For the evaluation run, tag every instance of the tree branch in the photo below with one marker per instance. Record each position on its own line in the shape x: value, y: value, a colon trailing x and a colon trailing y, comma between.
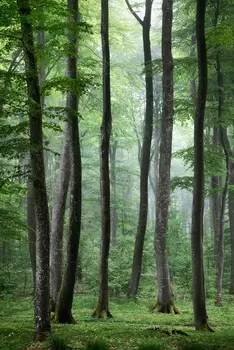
x: 134, y: 13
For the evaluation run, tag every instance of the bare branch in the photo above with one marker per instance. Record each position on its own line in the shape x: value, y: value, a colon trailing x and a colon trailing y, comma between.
x: 134, y: 13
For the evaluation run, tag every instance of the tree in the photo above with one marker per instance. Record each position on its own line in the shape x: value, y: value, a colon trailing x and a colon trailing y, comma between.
x: 63, y: 312
x: 146, y: 148
x: 165, y: 302
x: 42, y: 321
x: 102, y: 308
x: 198, y: 279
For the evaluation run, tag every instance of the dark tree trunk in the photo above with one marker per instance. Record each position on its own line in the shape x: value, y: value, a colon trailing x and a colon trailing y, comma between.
x: 63, y: 312
x: 198, y: 279
x: 102, y: 309
x: 165, y: 302
x: 113, y: 150
x: 231, y: 219
x: 42, y: 321
x: 31, y: 220
x: 145, y: 152
x: 226, y: 147
x: 59, y: 207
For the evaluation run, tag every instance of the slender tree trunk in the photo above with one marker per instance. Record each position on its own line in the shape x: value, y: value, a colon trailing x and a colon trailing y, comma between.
x: 227, y: 151
x: 231, y: 219
x: 145, y: 153
x: 198, y: 279
x: 113, y: 150
x: 42, y: 321
x: 102, y: 309
x: 31, y: 220
x: 165, y: 302
x: 63, y: 312
x: 59, y: 207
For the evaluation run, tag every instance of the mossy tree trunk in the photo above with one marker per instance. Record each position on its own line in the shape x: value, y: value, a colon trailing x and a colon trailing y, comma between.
x: 42, y: 320
x: 102, y: 309
x: 165, y: 302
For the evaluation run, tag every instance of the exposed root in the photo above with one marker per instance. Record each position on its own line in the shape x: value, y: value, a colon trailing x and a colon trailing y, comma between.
x: 168, y: 308
x: 205, y: 328
x: 64, y: 317
x: 168, y: 332
x: 101, y: 314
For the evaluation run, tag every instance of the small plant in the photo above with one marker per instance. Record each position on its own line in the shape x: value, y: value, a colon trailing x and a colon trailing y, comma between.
x: 57, y: 343
x: 97, y: 345
x: 151, y: 346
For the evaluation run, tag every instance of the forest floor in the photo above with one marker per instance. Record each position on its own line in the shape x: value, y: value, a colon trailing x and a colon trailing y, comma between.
x: 133, y: 327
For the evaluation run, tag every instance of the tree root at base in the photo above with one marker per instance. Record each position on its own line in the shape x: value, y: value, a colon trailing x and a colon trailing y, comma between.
x: 101, y: 314
x: 168, y: 308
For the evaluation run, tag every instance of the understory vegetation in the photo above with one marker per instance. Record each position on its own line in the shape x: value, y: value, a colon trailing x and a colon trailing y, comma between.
x: 133, y: 327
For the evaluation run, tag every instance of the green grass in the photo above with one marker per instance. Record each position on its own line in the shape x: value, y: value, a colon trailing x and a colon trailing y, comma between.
x: 133, y: 327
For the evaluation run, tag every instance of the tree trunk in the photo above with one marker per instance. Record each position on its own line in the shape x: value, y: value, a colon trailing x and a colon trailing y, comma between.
x: 102, y: 309
x: 42, y: 321
x: 198, y: 279
x: 145, y: 152
x: 113, y: 150
x: 59, y: 207
x: 63, y: 312
x: 231, y: 219
x: 165, y: 302
x: 227, y: 151
x: 31, y: 221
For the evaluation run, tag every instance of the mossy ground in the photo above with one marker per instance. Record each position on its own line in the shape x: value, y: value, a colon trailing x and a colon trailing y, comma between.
x: 133, y: 326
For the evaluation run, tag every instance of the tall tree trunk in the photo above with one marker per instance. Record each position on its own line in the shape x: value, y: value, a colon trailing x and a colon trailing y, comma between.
x: 198, y: 279
x: 31, y: 221
x: 113, y: 150
x: 63, y: 312
x: 165, y: 302
x: 226, y: 147
x: 231, y: 219
x: 102, y: 309
x: 59, y: 207
x: 42, y: 320
x: 145, y: 152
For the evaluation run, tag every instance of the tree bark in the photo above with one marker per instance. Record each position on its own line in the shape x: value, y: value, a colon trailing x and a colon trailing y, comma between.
x: 31, y: 221
x: 165, y: 301
x: 226, y: 147
x: 102, y: 309
x: 198, y: 279
x: 63, y: 312
x: 59, y: 207
x: 113, y: 150
x: 145, y: 152
x: 42, y: 321
x: 231, y: 219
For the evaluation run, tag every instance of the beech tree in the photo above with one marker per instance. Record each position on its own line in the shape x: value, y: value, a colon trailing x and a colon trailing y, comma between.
x: 42, y: 320
x: 63, y: 313
x: 145, y: 151
x: 165, y: 302
x: 102, y: 309
x: 198, y: 279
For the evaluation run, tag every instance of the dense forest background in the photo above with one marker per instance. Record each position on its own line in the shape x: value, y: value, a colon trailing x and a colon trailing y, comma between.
x: 60, y: 35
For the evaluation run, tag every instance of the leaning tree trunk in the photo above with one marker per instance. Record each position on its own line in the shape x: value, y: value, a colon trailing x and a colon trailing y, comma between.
x: 42, y: 320
x: 165, y: 301
x: 63, y: 313
x: 102, y: 309
x: 231, y: 219
x: 59, y: 207
x: 198, y: 279
x: 145, y: 152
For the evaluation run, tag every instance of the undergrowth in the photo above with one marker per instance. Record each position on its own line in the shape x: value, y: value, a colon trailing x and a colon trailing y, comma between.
x: 133, y: 327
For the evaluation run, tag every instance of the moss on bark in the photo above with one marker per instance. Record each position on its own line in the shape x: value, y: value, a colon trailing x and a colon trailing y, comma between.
x: 98, y: 313
x: 168, y: 308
